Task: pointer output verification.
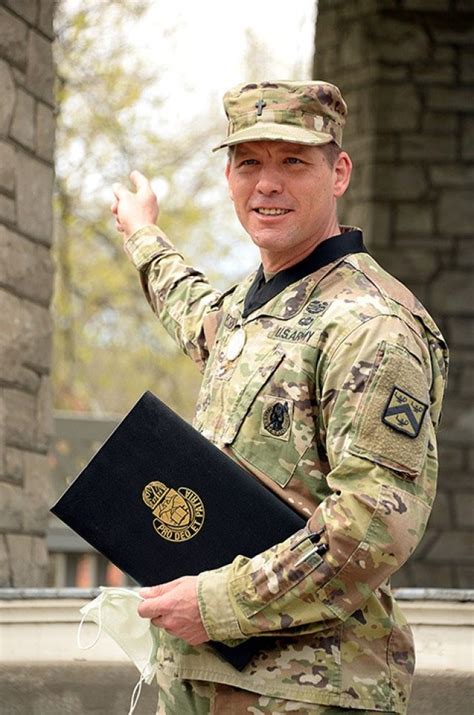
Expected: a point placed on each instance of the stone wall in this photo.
(26, 278)
(406, 69)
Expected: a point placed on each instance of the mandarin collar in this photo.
(330, 250)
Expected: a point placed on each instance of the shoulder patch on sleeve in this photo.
(391, 423)
(404, 412)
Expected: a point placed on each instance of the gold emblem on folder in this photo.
(179, 514)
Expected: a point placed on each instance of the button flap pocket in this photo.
(249, 391)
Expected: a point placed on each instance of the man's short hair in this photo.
(331, 152)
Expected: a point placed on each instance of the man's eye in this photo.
(248, 162)
(293, 160)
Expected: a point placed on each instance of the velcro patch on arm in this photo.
(391, 425)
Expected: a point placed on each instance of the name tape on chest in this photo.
(292, 335)
(302, 333)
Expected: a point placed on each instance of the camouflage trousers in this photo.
(194, 697)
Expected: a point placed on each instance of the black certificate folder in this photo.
(160, 501)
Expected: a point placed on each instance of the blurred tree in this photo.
(113, 116)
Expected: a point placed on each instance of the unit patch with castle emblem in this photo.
(404, 413)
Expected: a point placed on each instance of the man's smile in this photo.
(271, 212)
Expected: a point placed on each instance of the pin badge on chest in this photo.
(236, 344)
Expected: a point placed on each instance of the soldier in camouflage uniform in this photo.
(323, 377)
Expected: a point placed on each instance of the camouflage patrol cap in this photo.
(304, 112)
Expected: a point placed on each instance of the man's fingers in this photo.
(151, 592)
(148, 609)
(140, 181)
(118, 190)
(135, 208)
(154, 607)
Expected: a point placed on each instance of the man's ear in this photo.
(342, 174)
(227, 173)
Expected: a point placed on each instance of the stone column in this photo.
(406, 68)
(26, 279)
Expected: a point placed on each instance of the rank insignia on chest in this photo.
(276, 417)
(404, 413)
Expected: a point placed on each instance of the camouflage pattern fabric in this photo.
(312, 112)
(204, 698)
(333, 402)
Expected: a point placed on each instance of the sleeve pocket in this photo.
(392, 421)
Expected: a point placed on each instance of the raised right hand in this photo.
(132, 210)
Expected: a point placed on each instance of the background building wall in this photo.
(26, 278)
(406, 69)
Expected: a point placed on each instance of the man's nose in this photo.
(269, 181)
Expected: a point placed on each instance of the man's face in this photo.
(284, 196)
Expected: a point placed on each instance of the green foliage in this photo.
(113, 117)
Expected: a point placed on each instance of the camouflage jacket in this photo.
(333, 402)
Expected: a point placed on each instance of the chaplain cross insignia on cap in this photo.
(259, 107)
